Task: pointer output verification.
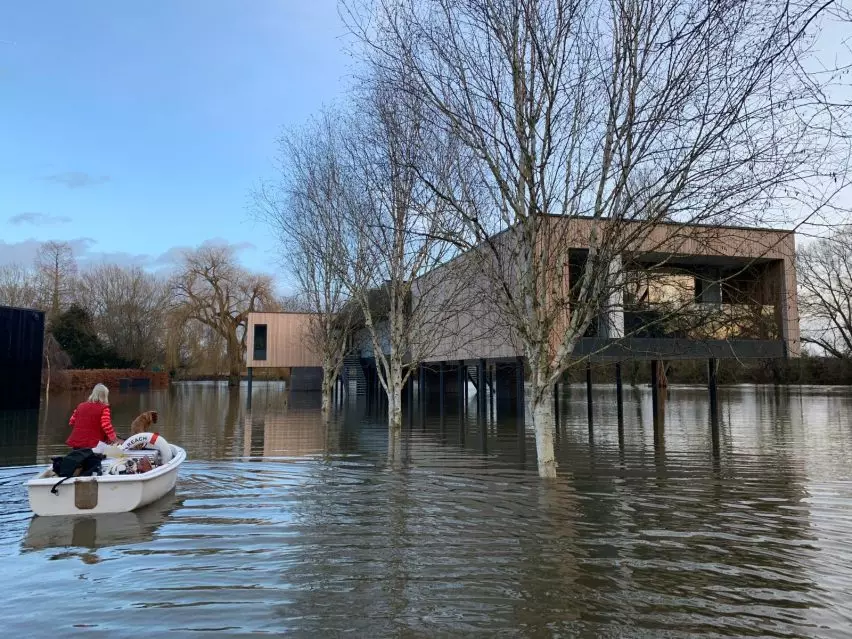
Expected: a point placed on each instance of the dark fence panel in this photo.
(21, 340)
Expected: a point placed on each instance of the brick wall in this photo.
(84, 380)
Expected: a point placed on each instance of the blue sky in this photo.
(132, 129)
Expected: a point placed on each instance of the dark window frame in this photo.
(260, 336)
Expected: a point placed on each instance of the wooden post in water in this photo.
(461, 381)
(619, 400)
(712, 384)
(248, 397)
(480, 391)
(589, 407)
(492, 390)
(519, 381)
(410, 383)
(556, 404)
(441, 387)
(421, 389)
(655, 391)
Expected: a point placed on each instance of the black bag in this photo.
(81, 462)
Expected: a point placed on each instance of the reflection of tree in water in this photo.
(681, 545)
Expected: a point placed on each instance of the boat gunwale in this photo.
(172, 464)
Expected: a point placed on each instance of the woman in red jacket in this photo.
(91, 421)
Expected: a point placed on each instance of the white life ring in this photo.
(150, 440)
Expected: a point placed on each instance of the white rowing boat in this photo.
(107, 493)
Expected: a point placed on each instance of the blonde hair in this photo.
(100, 394)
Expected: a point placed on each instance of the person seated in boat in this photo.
(91, 421)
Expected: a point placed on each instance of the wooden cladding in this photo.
(280, 340)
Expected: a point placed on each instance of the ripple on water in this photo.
(634, 539)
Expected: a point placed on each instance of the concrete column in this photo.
(611, 324)
(248, 397)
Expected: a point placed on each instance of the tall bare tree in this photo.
(392, 234)
(57, 272)
(128, 306)
(628, 113)
(304, 208)
(825, 292)
(211, 288)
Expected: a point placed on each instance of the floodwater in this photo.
(281, 524)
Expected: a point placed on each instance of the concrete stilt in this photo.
(421, 388)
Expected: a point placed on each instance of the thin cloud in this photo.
(77, 179)
(85, 250)
(38, 219)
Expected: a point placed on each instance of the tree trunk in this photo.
(235, 360)
(328, 379)
(395, 398)
(540, 404)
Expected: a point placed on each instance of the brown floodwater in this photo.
(283, 524)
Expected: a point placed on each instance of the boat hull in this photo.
(105, 493)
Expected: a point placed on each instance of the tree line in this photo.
(191, 322)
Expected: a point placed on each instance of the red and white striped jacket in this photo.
(92, 423)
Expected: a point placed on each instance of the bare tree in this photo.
(128, 306)
(391, 235)
(595, 124)
(18, 287)
(825, 292)
(212, 289)
(304, 208)
(57, 272)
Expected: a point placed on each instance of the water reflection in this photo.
(283, 522)
(100, 531)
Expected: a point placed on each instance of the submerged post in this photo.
(481, 387)
(441, 387)
(589, 411)
(619, 399)
(519, 381)
(462, 383)
(655, 391)
(492, 390)
(421, 388)
(556, 404)
(712, 384)
(249, 376)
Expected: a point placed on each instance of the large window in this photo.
(259, 342)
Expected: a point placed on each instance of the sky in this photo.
(134, 130)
